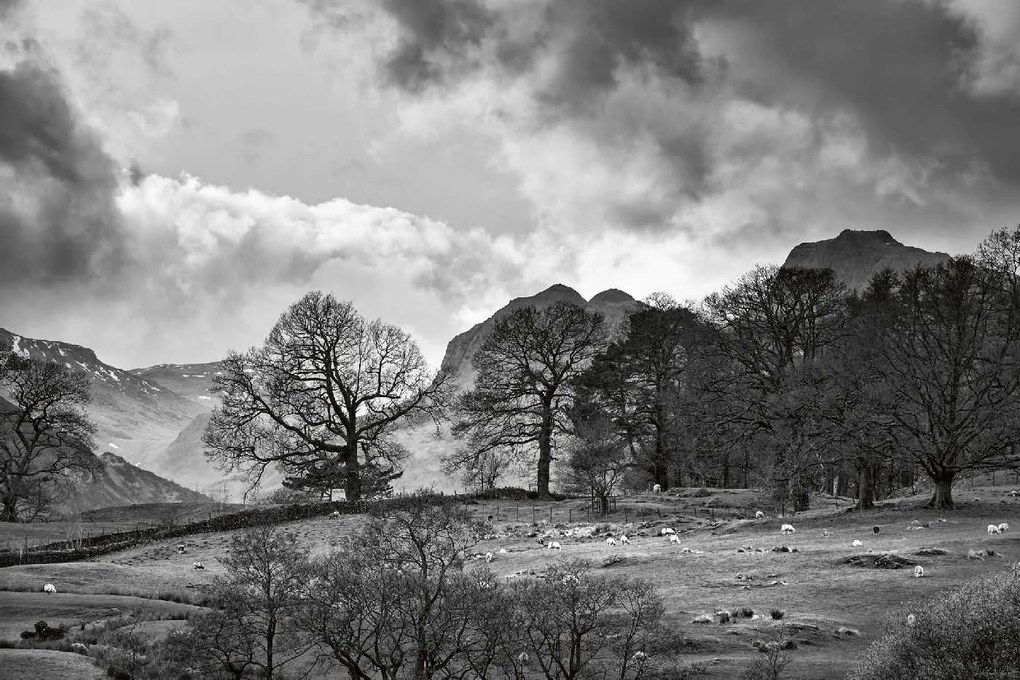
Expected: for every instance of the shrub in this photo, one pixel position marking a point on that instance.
(973, 632)
(777, 614)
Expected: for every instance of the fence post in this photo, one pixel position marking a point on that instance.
(550, 513)
(570, 516)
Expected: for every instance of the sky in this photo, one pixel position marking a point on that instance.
(173, 175)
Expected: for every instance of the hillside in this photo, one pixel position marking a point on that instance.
(614, 304)
(855, 256)
(121, 483)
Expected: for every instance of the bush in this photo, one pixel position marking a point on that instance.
(777, 614)
(973, 632)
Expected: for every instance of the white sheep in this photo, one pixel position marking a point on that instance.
(488, 557)
(857, 543)
(639, 656)
(502, 551)
(555, 545)
(624, 539)
(918, 571)
(657, 489)
(787, 529)
(911, 619)
(826, 532)
(523, 658)
(673, 538)
(994, 529)
(49, 588)
(1004, 527)
(181, 549)
(759, 515)
(197, 565)
(666, 531)
(610, 541)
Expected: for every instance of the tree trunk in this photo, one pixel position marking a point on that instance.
(352, 483)
(10, 510)
(942, 497)
(545, 451)
(865, 488)
(661, 471)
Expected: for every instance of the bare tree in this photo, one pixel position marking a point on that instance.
(253, 631)
(45, 433)
(394, 598)
(324, 392)
(599, 457)
(950, 359)
(522, 384)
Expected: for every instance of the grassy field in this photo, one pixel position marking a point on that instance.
(723, 561)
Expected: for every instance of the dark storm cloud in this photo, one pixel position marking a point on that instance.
(897, 68)
(57, 219)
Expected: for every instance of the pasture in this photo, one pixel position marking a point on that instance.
(724, 560)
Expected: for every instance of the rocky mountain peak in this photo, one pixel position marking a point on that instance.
(611, 296)
(856, 255)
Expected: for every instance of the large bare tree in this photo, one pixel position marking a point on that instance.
(951, 360)
(522, 384)
(45, 433)
(325, 391)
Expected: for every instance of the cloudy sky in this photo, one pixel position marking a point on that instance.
(174, 174)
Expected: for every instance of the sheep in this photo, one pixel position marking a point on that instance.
(555, 545)
(857, 543)
(977, 499)
(639, 656)
(502, 551)
(488, 557)
(624, 539)
(523, 658)
(1004, 527)
(876, 530)
(666, 531)
(49, 588)
(911, 619)
(197, 565)
(610, 541)
(181, 549)
(673, 538)
(826, 532)
(787, 529)
(918, 571)
(657, 489)
(759, 515)
(994, 529)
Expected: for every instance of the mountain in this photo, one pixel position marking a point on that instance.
(120, 483)
(614, 304)
(854, 256)
(138, 416)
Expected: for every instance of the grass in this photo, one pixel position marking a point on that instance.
(822, 597)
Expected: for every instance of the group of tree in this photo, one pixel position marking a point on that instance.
(396, 600)
(784, 379)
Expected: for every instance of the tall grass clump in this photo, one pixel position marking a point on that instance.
(972, 632)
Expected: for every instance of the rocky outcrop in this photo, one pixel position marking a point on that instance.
(855, 256)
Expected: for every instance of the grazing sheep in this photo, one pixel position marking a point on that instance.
(488, 557)
(657, 489)
(911, 619)
(876, 530)
(994, 529)
(667, 531)
(610, 541)
(918, 571)
(197, 565)
(555, 545)
(624, 539)
(787, 529)
(523, 658)
(826, 532)
(759, 515)
(857, 543)
(49, 588)
(181, 549)
(977, 499)
(502, 551)
(1004, 527)
(673, 538)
